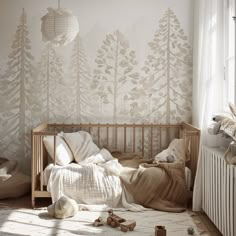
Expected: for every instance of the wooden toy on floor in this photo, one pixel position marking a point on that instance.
(190, 231)
(114, 220)
(160, 230)
(98, 222)
(127, 225)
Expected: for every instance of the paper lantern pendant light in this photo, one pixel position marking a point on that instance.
(59, 26)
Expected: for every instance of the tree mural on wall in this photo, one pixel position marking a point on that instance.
(138, 108)
(54, 90)
(168, 72)
(81, 76)
(16, 87)
(115, 72)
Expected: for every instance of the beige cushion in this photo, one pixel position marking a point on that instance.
(63, 153)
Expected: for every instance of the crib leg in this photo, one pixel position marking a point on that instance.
(33, 202)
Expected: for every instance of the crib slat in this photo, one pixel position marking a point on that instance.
(168, 136)
(89, 128)
(142, 141)
(116, 136)
(98, 135)
(134, 139)
(41, 164)
(54, 150)
(160, 138)
(125, 139)
(107, 137)
(151, 142)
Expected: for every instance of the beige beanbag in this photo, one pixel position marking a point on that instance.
(64, 207)
(13, 184)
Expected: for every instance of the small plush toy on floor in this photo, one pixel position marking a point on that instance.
(64, 207)
(190, 231)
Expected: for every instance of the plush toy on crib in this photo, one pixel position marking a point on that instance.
(176, 151)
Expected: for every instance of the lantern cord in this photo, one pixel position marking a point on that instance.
(58, 3)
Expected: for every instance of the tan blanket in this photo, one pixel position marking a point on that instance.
(159, 186)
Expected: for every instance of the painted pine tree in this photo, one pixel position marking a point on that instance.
(81, 77)
(138, 108)
(115, 72)
(168, 72)
(16, 85)
(54, 90)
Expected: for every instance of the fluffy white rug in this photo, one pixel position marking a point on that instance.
(16, 222)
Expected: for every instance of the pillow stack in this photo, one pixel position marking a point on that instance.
(70, 146)
(81, 145)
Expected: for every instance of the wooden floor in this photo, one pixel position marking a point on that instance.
(202, 221)
(205, 225)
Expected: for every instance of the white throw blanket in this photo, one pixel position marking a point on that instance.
(94, 184)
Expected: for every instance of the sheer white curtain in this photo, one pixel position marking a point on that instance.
(208, 73)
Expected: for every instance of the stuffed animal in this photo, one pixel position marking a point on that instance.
(176, 151)
(227, 127)
(64, 207)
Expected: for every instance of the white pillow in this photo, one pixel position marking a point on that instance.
(176, 150)
(63, 153)
(81, 144)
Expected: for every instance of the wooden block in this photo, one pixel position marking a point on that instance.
(127, 225)
(160, 230)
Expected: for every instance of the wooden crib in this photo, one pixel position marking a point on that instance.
(146, 139)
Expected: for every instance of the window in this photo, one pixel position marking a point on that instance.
(230, 80)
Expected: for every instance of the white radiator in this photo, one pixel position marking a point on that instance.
(219, 190)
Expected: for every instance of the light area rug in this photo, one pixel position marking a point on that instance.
(16, 222)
